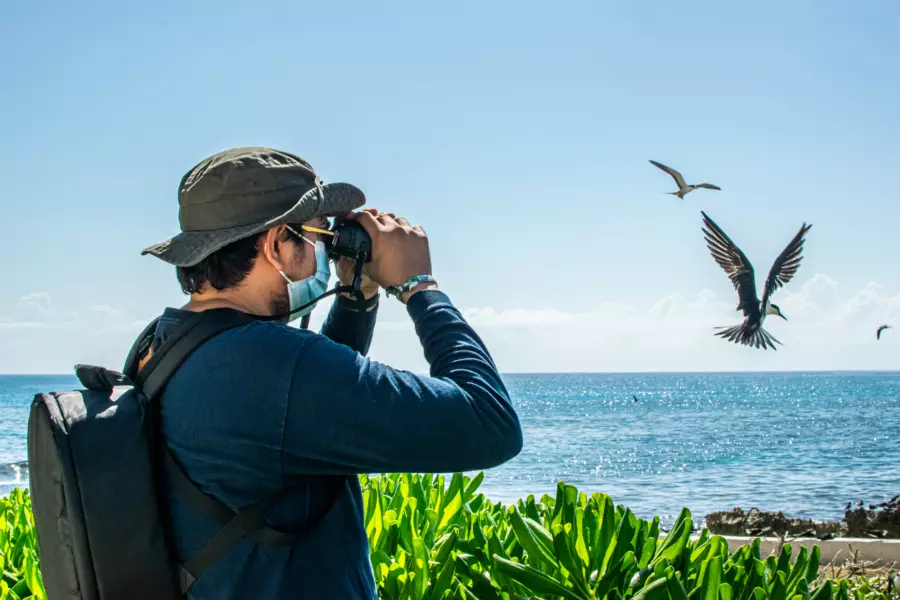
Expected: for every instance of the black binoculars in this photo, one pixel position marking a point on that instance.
(350, 240)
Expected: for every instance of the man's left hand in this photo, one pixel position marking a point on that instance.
(345, 268)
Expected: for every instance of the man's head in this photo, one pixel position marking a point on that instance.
(242, 214)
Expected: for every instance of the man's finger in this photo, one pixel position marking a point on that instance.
(403, 222)
(368, 221)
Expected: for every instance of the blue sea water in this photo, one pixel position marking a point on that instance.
(802, 443)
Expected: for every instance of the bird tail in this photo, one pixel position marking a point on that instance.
(740, 334)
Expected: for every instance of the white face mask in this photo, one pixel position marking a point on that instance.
(307, 291)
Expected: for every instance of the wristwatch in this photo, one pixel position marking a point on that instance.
(397, 290)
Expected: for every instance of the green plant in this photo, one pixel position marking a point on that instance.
(21, 577)
(431, 543)
(431, 539)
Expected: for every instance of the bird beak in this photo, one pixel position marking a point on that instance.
(782, 316)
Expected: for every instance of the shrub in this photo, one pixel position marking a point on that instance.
(430, 540)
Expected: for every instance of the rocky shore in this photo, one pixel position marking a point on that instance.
(879, 521)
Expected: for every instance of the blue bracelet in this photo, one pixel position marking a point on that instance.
(397, 290)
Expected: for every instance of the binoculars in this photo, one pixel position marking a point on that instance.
(350, 240)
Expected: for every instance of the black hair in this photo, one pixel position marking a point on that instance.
(223, 269)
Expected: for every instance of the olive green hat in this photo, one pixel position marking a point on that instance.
(244, 191)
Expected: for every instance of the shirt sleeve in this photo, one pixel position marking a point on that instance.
(345, 326)
(348, 414)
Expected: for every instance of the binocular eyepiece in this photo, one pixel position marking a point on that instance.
(350, 240)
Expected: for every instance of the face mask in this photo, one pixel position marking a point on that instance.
(307, 290)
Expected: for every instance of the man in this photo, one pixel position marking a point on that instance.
(267, 407)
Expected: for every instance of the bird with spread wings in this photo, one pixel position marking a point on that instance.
(739, 269)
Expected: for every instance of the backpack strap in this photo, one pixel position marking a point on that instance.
(140, 346)
(152, 379)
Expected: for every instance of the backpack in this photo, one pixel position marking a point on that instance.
(96, 468)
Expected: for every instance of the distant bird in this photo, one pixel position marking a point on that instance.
(635, 397)
(849, 504)
(740, 271)
(859, 504)
(683, 187)
(893, 581)
(880, 329)
(894, 499)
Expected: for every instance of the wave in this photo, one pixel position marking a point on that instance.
(13, 475)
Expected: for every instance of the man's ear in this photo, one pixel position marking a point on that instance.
(272, 246)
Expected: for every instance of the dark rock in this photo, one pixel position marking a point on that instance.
(756, 522)
(882, 520)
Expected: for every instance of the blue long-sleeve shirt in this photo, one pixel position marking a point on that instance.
(266, 407)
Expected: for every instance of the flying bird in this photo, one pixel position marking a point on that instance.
(740, 271)
(880, 329)
(683, 187)
(635, 397)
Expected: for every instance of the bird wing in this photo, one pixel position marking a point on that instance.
(709, 186)
(675, 174)
(785, 266)
(734, 262)
(880, 329)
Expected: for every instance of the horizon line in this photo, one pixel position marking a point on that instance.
(718, 372)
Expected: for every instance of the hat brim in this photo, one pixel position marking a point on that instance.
(190, 247)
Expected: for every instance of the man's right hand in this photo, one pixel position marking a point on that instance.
(399, 250)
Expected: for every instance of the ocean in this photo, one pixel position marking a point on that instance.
(802, 443)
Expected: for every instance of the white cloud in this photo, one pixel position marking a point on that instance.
(37, 303)
(829, 329)
(106, 310)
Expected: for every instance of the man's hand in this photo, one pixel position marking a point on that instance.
(345, 268)
(400, 251)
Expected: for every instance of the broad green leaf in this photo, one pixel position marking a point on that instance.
(843, 591)
(580, 538)
(450, 511)
(797, 572)
(677, 538)
(803, 589)
(779, 587)
(537, 552)
(823, 592)
(657, 590)
(563, 547)
(472, 486)
(784, 561)
(676, 590)
(647, 552)
(444, 546)
(420, 567)
(725, 591)
(620, 546)
(607, 533)
(535, 580)
(710, 578)
(812, 567)
(444, 580)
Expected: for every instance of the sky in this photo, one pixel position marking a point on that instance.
(517, 134)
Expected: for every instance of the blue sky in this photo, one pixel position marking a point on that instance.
(516, 133)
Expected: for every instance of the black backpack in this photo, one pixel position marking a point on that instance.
(96, 465)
